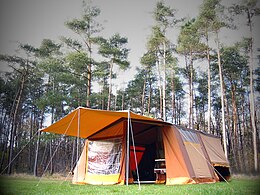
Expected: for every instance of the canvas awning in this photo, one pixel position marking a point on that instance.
(85, 122)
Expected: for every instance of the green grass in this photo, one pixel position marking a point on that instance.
(30, 185)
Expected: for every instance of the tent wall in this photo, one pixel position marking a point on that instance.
(216, 155)
(176, 166)
(83, 172)
(209, 164)
(200, 162)
(188, 155)
(186, 158)
(104, 162)
(121, 179)
(215, 151)
(80, 169)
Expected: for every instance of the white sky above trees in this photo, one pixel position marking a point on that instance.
(31, 21)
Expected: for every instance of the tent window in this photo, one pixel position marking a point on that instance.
(104, 156)
(189, 136)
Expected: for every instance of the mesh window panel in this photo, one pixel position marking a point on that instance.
(104, 156)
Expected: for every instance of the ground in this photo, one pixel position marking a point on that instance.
(24, 184)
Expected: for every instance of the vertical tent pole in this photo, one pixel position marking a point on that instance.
(136, 164)
(127, 148)
(78, 143)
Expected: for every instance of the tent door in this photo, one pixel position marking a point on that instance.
(146, 164)
(151, 141)
(222, 172)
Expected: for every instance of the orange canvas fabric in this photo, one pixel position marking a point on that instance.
(182, 150)
(121, 179)
(85, 122)
(176, 167)
(198, 160)
(215, 151)
(80, 169)
(200, 163)
(113, 131)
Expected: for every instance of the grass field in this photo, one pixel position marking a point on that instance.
(30, 185)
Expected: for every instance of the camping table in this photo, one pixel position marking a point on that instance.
(160, 170)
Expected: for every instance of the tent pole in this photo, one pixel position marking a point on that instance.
(136, 164)
(78, 142)
(127, 148)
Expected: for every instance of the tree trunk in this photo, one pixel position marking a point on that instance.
(35, 170)
(102, 95)
(51, 159)
(173, 96)
(89, 76)
(235, 129)
(209, 87)
(35, 173)
(164, 83)
(244, 127)
(150, 96)
(110, 85)
(222, 98)
(6, 125)
(179, 114)
(30, 137)
(72, 164)
(123, 103)
(252, 99)
(190, 72)
(143, 97)
(160, 89)
(115, 102)
(13, 129)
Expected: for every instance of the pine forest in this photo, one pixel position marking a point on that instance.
(194, 79)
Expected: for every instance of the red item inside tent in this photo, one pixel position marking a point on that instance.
(139, 151)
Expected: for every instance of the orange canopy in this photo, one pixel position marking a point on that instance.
(85, 122)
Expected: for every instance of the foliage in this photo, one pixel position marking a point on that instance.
(47, 82)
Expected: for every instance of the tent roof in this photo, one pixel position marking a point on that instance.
(85, 122)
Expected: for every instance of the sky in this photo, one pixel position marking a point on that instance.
(31, 21)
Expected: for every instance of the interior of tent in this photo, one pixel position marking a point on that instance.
(122, 148)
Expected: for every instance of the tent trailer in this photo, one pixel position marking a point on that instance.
(123, 147)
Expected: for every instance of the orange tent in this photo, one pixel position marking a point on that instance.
(109, 136)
